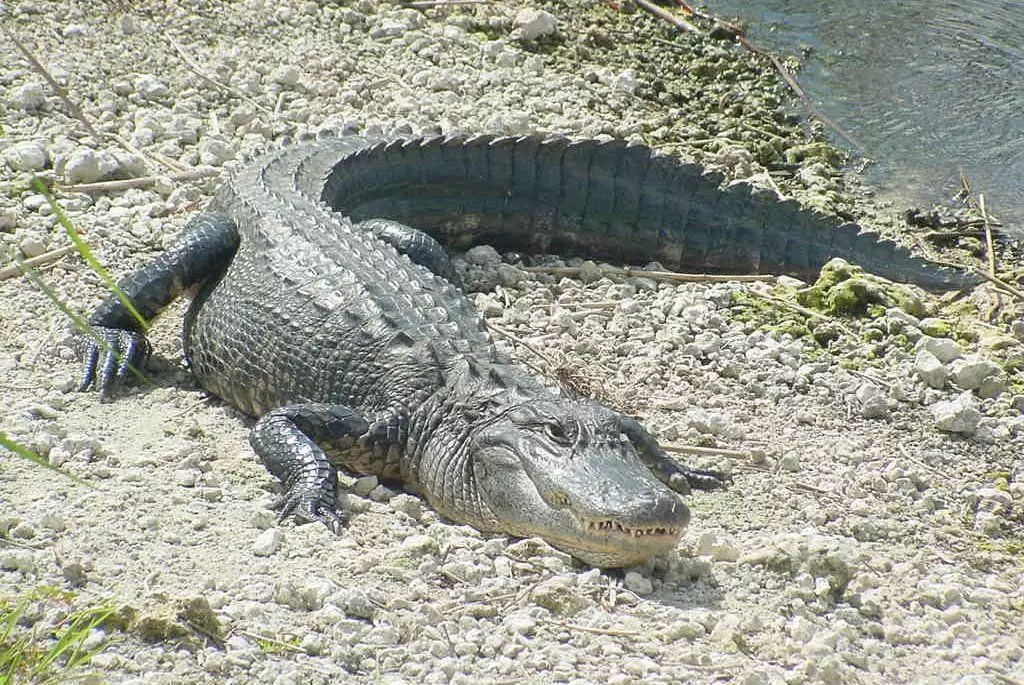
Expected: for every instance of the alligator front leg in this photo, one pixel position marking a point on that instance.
(293, 443)
(116, 341)
(669, 471)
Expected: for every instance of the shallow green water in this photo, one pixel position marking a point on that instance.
(929, 88)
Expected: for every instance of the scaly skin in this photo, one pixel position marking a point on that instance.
(355, 352)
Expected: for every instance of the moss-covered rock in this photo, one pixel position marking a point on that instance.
(844, 289)
(937, 328)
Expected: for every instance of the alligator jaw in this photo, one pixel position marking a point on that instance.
(603, 542)
(610, 544)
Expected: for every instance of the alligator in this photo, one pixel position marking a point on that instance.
(326, 307)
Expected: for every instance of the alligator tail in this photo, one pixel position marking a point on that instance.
(603, 200)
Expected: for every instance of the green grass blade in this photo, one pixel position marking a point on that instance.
(14, 652)
(71, 637)
(9, 618)
(25, 453)
(86, 252)
(56, 657)
(80, 323)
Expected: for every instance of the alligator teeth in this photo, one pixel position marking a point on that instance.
(607, 526)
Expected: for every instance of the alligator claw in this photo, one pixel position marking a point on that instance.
(311, 505)
(109, 354)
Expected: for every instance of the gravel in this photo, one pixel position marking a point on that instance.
(873, 531)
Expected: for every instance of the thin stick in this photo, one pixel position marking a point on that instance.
(989, 246)
(276, 643)
(137, 182)
(868, 377)
(209, 635)
(781, 68)
(516, 339)
(77, 113)
(665, 15)
(1016, 292)
(163, 160)
(656, 275)
(706, 451)
(596, 631)
(194, 67)
(936, 236)
(53, 255)
(427, 4)
(800, 309)
(798, 485)
(73, 109)
(694, 12)
(928, 467)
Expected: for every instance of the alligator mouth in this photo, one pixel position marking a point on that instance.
(608, 543)
(606, 526)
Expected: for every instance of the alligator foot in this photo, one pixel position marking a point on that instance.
(682, 479)
(313, 502)
(115, 344)
(109, 354)
(679, 478)
(286, 440)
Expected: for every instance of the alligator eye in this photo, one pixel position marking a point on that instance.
(556, 432)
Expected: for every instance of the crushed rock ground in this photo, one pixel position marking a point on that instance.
(873, 530)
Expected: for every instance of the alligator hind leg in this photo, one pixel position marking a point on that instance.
(418, 246)
(117, 341)
(670, 472)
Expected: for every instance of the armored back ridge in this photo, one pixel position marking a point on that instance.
(327, 307)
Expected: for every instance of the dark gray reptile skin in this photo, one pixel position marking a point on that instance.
(601, 200)
(353, 354)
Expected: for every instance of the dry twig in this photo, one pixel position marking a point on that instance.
(77, 113)
(928, 467)
(194, 68)
(73, 108)
(516, 339)
(801, 309)
(989, 245)
(799, 485)
(665, 15)
(656, 275)
(157, 157)
(737, 33)
(427, 4)
(868, 377)
(596, 631)
(39, 260)
(137, 182)
(269, 640)
(707, 451)
(1016, 292)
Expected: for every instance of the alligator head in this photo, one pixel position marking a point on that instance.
(568, 472)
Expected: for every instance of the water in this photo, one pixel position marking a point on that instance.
(929, 88)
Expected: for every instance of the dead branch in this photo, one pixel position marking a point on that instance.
(72, 108)
(137, 182)
(13, 270)
(656, 275)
